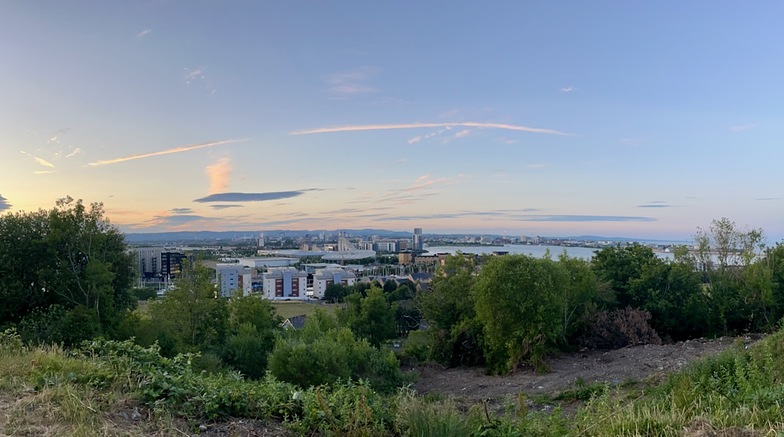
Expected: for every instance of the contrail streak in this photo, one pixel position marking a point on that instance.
(163, 152)
(368, 127)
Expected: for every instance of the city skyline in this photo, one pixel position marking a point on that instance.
(512, 118)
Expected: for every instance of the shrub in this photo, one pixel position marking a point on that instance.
(321, 354)
(10, 342)
(417, 347)
(619, 328)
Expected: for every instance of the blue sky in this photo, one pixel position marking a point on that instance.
(641, 119)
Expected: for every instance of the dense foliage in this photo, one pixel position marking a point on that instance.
(736, 393)
(66, 274)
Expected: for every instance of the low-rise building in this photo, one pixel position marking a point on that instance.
(285, 283)
(332, 275)
(233, 278)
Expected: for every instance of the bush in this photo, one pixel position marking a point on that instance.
(619, 328)
(56, 325)
(145, 293)
(417, 347)
(10, 342)
(321, 353)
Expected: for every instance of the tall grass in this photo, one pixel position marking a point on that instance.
(49, 391)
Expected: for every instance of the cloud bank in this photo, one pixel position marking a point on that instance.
(162, 152)
(373, 127)
(4, 203)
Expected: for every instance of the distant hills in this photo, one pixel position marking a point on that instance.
(249, 235)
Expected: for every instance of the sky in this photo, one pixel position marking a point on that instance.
(613, 118)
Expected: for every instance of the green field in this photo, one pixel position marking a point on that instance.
(284, 309)
(291, 309)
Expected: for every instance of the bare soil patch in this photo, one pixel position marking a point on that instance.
(631, 364)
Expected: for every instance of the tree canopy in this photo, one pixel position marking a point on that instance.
(69, 260)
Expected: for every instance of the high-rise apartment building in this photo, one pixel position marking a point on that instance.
(418, 245)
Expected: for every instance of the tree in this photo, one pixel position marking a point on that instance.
(70, 256)
(619, 266)
(582, 293)
(370, 317)
(191, 313)
(736, 290)
(253, 326)
(335, 293)
(448, 307)
(518, 305)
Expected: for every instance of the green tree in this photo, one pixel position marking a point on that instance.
(70, 256)
(737, 292)
(371, 317)
(253, 326)
(336, 293)
(519, 305)
(582, 293)
(191, 314)
(448, 307)
(618, 266)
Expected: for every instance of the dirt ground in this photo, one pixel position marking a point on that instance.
(631, 364)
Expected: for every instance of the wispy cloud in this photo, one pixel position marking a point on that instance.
(742, 127)
(585, 218)
(219, 174)
(419, 138)
(143, 33)
(181, 211)
(656, 204)
(530, 218)
(537, 165)
(163, 152)
(567, 89)
(373, 127)
(194, 74)
(249, 197)
(223, 206)
(768, 198)
(176, 220)
(74, 152)
(632, 141)
(39, 160)
(4, 203)
(352, 82)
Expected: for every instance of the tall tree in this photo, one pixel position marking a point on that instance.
(371, 317)
(519, 307)
(737, 285)
(253, 326)
(192, 314)
(619, 266)
(449, 309)
(581, 294)
(70, 256)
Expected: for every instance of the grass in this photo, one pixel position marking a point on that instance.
(284, 309)
(288, 309)
(69, 408)
(48, 391)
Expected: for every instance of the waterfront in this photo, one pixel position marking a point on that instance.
(526, 249)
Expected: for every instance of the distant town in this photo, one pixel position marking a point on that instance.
(300, 265)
